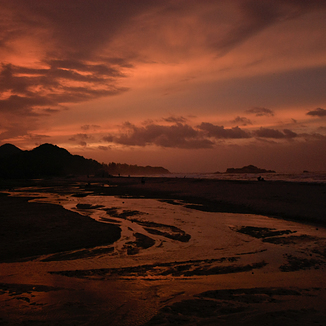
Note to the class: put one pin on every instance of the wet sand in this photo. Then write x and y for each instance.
(304, 202)
(120, 252)
(33, 229)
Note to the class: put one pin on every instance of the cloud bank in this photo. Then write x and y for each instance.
(205, 135)
(319, 112)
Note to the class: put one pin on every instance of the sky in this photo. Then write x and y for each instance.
(193, 86)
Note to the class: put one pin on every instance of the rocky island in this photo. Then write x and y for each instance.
(248, 169)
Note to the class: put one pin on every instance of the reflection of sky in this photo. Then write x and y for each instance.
(134, 81)
(214, 240)
(211, 233)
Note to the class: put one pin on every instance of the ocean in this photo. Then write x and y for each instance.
(309, 177)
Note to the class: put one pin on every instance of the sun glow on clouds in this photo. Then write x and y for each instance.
(147, 81)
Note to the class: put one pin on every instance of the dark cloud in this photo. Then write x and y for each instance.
(273, 133)
(289, 133)
(319, 112)
(78, 27)
(50, 111)
(14, 129)
(73, 69)
(256, 16)
(184, 136)
(321, 129)
(89, 127)
(104, 148)
(242, 121)
(80, 136)
(50, 87)
(23, 106)
(259, 112)
(181, 135)
(77, 36)
(259, 15)
(174, 119)
(81, 139)
(220, 132)
(176, 136)
(37, 137)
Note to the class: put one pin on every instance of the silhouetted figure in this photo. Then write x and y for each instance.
(260, 178)
(143, 180)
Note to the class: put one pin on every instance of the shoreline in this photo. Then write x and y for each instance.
(301, 202)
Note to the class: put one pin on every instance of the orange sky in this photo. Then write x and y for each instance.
(194, 86)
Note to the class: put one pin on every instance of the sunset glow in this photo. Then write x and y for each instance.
(194, 86)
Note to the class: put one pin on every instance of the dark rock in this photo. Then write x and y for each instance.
(248, 169)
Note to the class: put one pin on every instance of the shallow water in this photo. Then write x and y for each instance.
(102, 287)
(306, 177)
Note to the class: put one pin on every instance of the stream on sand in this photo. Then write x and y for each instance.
(173, 265)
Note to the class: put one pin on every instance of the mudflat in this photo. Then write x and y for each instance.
(162, 251)
(304, 202)
(33, 229)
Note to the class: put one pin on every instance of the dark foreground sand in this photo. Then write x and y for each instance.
(33, 229)
(241, 289)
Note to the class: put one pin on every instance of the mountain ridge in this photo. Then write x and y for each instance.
(48, 160)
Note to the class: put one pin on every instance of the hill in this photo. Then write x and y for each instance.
(7, 150)
(49, 160)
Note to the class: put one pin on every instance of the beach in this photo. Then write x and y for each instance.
(294, 200)
(162, 251)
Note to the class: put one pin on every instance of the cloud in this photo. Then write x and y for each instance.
(90, 127)
(242, 121)
(56, 53)
(14, 129)
(319, 112)
(273, 133)
(179, 119)
(69, 40)
(83, 51)
(81, 139)
(31, 89)
(175, 136)
(255, 16)
(321, 129)
(181, 135)
(259, 112)
(220, 132)
(104, 148)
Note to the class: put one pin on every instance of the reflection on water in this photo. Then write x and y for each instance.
(166, 253)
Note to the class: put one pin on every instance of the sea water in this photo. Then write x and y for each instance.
(309, 177)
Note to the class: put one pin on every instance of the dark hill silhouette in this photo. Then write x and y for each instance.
(49, 160)
(7, 150)
(248, 169)
(45, 160)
